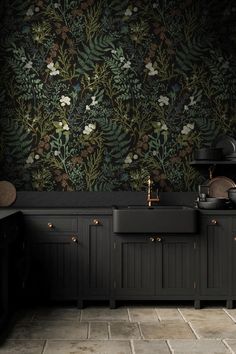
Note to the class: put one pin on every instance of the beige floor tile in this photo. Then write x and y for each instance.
(202, 346)
(98, 330)
(214, 329)
(57, 313)
(150, 347)
(87, 347)
(166, 330)
(104, 314)
(122, 330)
(232, 344)
(22, 347)
(50, 330)
(140, 314)
(215, 314)
(169, 314)
(232, 313)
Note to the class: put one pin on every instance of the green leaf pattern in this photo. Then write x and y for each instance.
(96, 94)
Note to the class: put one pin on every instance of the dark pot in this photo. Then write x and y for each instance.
(232, 194)
(208, 154)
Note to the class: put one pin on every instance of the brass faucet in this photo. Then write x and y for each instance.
(149, 196)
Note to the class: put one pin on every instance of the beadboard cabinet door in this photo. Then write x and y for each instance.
(94, 233)
(153, 266)
(176, 264)
(214, 256)
(233, 257)
(53, 249)
(134, 266)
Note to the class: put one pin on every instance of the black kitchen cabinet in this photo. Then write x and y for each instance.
(214, 257)
(95, 232)
(134, 266)
(177, 256)
(11, 265)
(232, 259)
(53, 249)
(154, 267)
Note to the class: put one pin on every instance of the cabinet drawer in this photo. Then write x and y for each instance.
(51, 223)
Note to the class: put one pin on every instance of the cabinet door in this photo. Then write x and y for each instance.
(176, 265)
(134, 266)
(233, 256)
(214, 255)
(53, 261)
(95, 234)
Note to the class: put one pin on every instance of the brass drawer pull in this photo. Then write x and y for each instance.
(234, 238)
(152, 239)
(213, 222)
(96, 221)
(50, 226)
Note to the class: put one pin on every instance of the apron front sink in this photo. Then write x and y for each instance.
(166, 219)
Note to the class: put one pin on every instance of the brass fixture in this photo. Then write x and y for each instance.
(50, 226)
(214, 222)
(96, 221)
(150, 200)
(158, 239)
(152, 239)
(234, 238)
(74, 239)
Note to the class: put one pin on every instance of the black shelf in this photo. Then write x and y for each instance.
(212, 162)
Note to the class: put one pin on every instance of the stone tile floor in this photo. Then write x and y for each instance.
(125, 330)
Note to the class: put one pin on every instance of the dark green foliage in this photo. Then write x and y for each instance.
(98, 94)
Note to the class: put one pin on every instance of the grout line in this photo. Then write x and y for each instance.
(140, 330)
(228, 346)
(228, 314)
(109, 330)
(129, 316)
(193, 330)
(132, 346)
(89, 330)
(158, 317)
(182, 315)
(44, 346)
(169, 347)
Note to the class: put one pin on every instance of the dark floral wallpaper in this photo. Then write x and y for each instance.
(98, 94)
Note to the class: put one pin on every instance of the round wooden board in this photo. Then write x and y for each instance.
(7, 193)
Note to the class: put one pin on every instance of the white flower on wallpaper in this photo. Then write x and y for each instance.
(29, 160)
(187, 128)
(127, 65)
(163, 101)
(65, 100)
(53, 70)
(30, 12)
(151, 69)
(29, 65)
(89, 128)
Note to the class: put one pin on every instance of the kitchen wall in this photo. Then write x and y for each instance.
(96, 95)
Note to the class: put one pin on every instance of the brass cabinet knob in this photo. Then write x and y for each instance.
(74, 239)
(234, 238)
(96, 221)
(158, 239)
(152, 239)
(50, 226)
(213, 222)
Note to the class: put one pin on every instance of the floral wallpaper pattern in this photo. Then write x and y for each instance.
(98, 94)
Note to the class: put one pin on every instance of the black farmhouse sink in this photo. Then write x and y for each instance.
(166, 219)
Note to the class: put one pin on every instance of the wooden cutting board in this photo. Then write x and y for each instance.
(7, 193)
